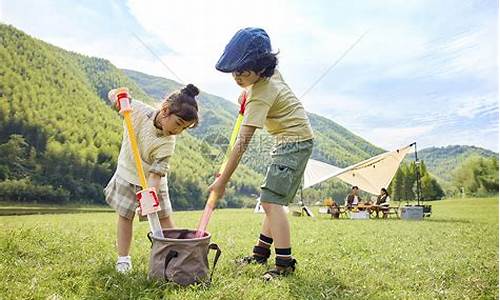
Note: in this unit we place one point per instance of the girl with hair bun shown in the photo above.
(156, 130)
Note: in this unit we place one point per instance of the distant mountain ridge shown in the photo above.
(442, 161)
(334, 143)
(63, 137)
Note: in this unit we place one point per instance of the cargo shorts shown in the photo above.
(284, 174)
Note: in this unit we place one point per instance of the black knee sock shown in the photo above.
(283, 257)
(265, 241)
(262, 250)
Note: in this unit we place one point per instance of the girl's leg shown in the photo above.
(124, 235)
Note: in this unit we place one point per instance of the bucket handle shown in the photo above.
(150, 234)
(171, 254)
(214, 246)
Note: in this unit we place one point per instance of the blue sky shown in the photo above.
(426, 71)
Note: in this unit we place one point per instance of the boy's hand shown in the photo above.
(218, 187)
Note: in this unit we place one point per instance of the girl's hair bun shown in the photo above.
(190, 90)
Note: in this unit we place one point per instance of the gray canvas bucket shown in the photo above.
(181, 258)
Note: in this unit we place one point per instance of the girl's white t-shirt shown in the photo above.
(153, 145)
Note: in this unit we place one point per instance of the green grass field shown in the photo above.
(452, 255)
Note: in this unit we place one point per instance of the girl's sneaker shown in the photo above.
(123, 264)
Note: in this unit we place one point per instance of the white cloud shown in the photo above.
(471, 53)
(394, 137)
(377, 91)
(472, 107)
(198, 31)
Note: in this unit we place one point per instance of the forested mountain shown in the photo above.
(333, 143)
(60, 139)
(442, 162)
(404, 183)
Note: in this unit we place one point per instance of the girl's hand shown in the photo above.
(218, 187)
(112, 96)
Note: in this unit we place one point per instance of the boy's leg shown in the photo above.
(278, 224)
(266, 228)
(262, 250)
(280, 228)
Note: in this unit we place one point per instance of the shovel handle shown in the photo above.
(207, 213)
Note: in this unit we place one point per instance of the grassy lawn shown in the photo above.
(20, 211)
(452, 255)
(16, 209)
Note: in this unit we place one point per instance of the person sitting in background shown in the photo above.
(332, 208)
(383, 201)
(353, 198)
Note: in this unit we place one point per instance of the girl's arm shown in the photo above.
(154, 181)
(158, 170)
(241, 145)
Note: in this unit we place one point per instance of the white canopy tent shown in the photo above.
(369, 175)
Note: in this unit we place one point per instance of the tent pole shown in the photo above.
(417, 173)
(303, 207)
(302, 192)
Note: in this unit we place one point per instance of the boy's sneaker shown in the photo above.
(123, 264)
(260, 256)
(284, 267)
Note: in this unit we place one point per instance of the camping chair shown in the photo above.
(391, 210)
(332, 208)
(344, 209)
(343, 212)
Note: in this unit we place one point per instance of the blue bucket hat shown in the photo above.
(248, 44)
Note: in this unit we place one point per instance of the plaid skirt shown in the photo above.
(121, 195)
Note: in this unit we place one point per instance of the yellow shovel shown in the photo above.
(147, 197)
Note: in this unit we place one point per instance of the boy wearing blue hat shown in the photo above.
(270, 104)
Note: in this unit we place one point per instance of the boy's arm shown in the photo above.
(241, 145)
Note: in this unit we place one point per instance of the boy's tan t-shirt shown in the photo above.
(272, 104)
(153, 145)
